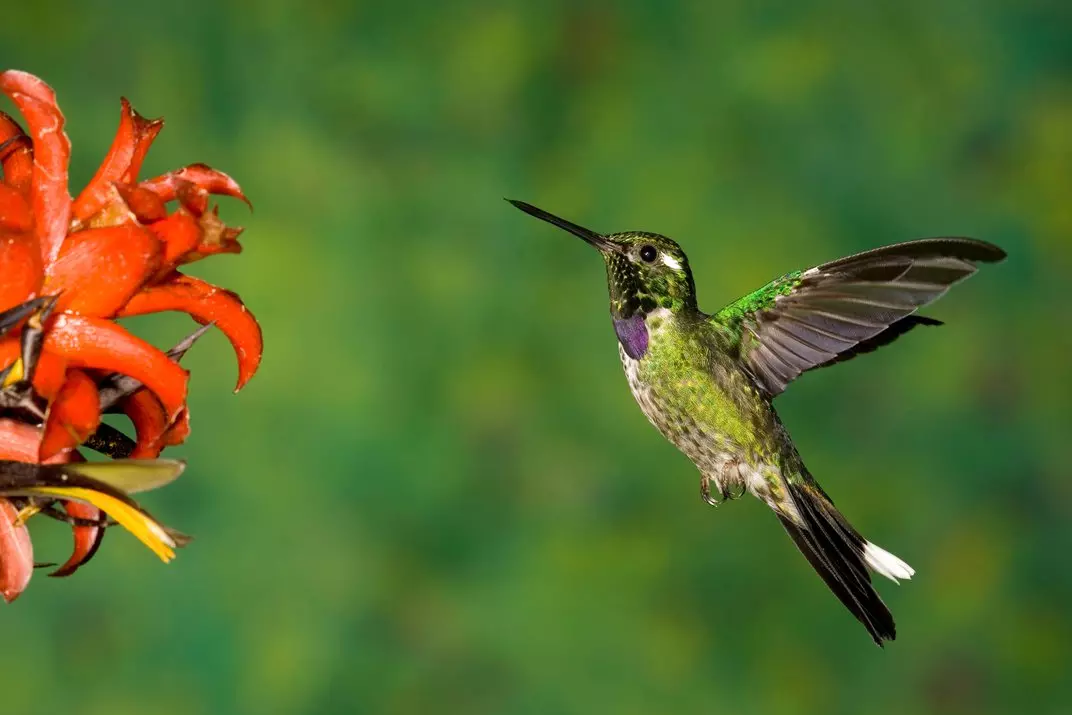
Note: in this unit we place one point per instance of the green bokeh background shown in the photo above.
(438, 495)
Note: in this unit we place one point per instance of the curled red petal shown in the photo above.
(48, 378)
(99, 269)
(51, 151)
(16, 553)
(144, 204)
(192, 197)
(122, 163)
(99, 344)
(145, 131)
(93, 197)
(114, 211)
(27, 84)
(14, 211)
(73, 416)
(206, 303)
(150, 424)
(16, 157)
(179, 430)
(201, 177)
(20, 267)
(50, 375)
(18, 441)
(87, 539)
(124, 204)
(216, 237)
(189, 237)
(180, 233)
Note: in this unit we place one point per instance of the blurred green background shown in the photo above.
(438, 494)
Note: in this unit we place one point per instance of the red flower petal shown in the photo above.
(123, 160)
(72, 417)
(99, 269)
(150, 423)
(100, 344)
(204, 180)
(20, 266)
(179, 430)
(87, 539)
(51, 150)
(95, 194)
(216, 237)
(16, 553)
(124, 204)
(16, 158)
(50, 375)
(145, 131)
(180, 233)
(206, 303)
(18, 441)
(188, 238)
(48, 378)
(144, 204)
(14, 211)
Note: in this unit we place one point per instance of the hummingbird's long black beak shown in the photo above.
(591, 237)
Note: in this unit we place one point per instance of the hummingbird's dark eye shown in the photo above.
(648, 253)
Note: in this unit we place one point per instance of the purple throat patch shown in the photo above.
(633, 335)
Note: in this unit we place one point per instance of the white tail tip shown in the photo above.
(883, 562)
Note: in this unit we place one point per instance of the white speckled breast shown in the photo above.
(712, 453)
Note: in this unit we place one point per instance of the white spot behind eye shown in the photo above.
(671, 262)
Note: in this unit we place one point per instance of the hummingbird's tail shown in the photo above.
(841, 556)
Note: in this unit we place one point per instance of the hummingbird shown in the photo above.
(707, 381)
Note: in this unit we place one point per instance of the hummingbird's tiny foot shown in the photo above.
(734, 492)
(705, 491)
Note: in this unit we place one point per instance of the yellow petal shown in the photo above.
(25, 513)
(148, 531)
(14, 375)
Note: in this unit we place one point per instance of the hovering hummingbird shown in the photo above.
(707, 382)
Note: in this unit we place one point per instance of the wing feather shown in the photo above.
(847, 307)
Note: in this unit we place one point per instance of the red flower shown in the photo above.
(71, 268)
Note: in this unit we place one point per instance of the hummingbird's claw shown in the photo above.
(705, 491)
(735, 491)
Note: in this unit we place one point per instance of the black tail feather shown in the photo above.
(836, 551)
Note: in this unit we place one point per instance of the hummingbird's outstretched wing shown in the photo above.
(830, 313)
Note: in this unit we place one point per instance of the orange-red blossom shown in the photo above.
(112, 251)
